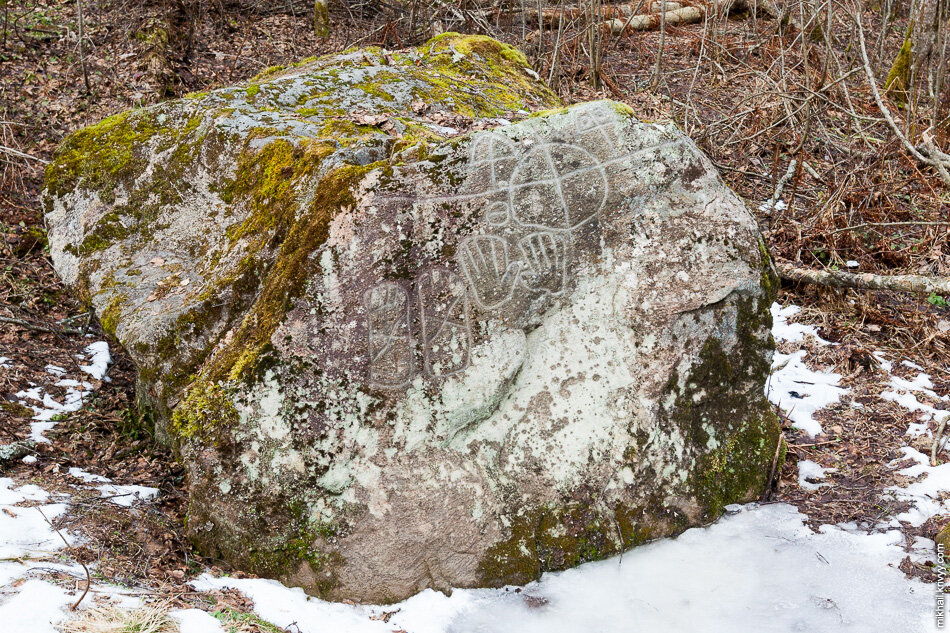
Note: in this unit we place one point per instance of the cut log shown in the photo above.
(686, 15)
(619, 18)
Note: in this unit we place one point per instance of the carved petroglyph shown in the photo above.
(390, 339)
(557, 186)
(445, 329)
(492, 157)
(445, 321)
(596, 121)
(490, 271)
(545, 257)
(536, 193)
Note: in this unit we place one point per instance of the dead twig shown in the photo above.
(933, 157)
(767, 493)
(86, 569)
(938, 437)
(40, 328)
(873, 224)
(19, 154)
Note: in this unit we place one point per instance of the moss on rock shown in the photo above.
(205, 412)
(222, 206)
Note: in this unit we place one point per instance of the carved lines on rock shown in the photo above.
(391, 361)
(445, 329)
(445, 322)
(536, 194)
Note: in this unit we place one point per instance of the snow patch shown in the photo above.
(99, 360)
(927, 492)
(48, 408)
(195, 621)
(800, 391)
(760, 569)
(808, 470)
(35, 607)
(782, 330)
(119, 495)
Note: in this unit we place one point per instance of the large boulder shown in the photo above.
(405, 335)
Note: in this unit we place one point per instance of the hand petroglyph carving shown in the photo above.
(545, 257)
(536, 192)
(445, 319)
(390, 339)
(490, 272)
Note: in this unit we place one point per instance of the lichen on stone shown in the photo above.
(233, 241)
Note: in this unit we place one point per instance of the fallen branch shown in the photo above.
(40, 328)
(930, 155)
(19, 154)
(780, 185)
(623, 18)
(676, 17)
(920, 284)
(874, 224)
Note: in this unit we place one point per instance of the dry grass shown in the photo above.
(111, 618)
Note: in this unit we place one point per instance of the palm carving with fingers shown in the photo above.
(490, 271)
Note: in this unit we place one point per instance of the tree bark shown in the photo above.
(920, 284)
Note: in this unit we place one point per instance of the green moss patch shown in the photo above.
(206, 410)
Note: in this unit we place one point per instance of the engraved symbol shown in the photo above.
(545, 256)
(498, 214)
(490, 272)
(492, 157)
(557, 186)
(390, 339)
(596, 120)
(445, 320)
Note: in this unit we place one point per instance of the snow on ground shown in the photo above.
(923, 493)
(198, 621)
(757, 569)
(760, 567)
(903, 394)
(782, 330)
(793, 386)
(99, 360)
(808, 471)
(119, 495)
(930, 481)
(27, 542)
(29, 550)
(801, 391)
(46, 408)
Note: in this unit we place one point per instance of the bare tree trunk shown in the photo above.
(82, 57)
(321, 18)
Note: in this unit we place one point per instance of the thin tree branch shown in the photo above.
(19, 154)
